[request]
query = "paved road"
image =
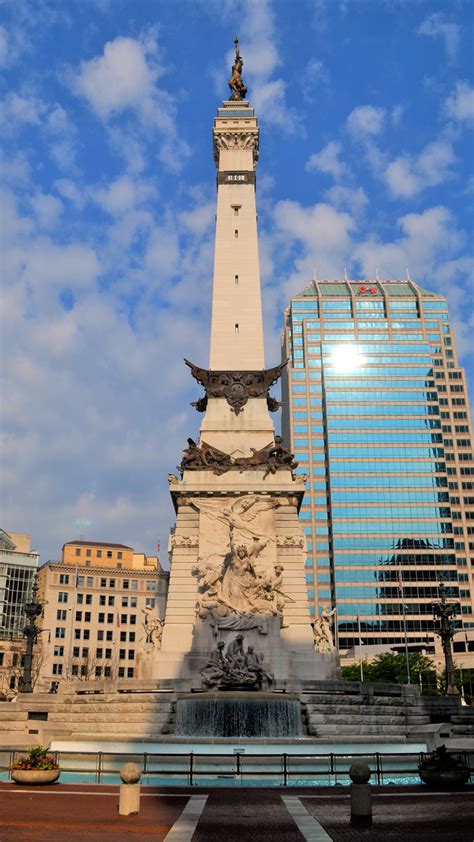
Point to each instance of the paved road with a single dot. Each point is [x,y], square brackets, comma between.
[80,813]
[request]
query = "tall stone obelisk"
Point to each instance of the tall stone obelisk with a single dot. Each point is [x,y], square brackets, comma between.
[238,550]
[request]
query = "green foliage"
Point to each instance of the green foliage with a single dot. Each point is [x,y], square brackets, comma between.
[391,667]
[37,758]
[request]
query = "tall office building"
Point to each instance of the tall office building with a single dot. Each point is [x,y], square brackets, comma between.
[376,412]
[18,566]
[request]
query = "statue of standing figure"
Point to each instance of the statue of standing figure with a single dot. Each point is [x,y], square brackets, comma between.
[235,82]
[323,639]
[153,628]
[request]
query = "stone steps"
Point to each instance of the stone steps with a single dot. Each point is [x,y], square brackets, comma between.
[334,719]
[351,730]
[371,710]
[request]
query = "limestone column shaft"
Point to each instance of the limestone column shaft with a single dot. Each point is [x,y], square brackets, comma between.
[237,327]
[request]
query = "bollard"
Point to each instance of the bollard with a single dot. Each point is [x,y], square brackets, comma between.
[129,800]
[361,795]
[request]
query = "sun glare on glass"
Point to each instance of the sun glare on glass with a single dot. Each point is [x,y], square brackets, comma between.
[347,358]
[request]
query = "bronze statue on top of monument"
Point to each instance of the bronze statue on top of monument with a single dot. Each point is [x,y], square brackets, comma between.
[239,91]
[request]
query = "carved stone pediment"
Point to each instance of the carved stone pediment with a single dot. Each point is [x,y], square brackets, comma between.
[236,386]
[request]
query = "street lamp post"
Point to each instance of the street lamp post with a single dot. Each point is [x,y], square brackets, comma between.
[33,609]
[443,618]
[407,655]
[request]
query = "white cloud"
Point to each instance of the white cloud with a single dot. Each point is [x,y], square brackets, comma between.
[460,104]
[426,238]
[123,194]
[17,109]
[124,79]
[328,161]
[47,209]
[365,121]
[436,26]
[347,198]
[315,77]
[407,176]
[120,78]
[3,46]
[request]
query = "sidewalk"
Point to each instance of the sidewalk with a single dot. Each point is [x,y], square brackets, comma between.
[83,813]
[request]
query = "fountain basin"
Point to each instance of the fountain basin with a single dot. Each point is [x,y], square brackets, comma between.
[252,714]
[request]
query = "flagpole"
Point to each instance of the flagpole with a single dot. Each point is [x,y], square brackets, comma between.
[407,658]
[360,649]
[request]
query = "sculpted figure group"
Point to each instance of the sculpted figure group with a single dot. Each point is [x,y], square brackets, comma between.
[235,667]
[205,457]
[236,584]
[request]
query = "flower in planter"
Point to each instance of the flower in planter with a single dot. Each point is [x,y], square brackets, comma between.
[36,759]
[441,760]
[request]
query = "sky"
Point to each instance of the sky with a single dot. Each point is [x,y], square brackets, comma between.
[366,112]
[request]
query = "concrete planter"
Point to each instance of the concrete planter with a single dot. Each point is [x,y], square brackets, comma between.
[448,778]
[35,777]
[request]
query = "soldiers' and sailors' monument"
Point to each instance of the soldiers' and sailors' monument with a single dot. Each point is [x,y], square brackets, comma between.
[237,611]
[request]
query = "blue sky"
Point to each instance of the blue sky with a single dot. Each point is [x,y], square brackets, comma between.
[366,111]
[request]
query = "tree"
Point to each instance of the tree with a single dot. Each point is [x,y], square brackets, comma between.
[392,668]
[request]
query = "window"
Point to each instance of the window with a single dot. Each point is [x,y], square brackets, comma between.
[75,669]
[111,583]
[80,598]
[134,584]
[236,234]
[125,602]
[124,618]
[100,634]
[78,551]
[109,553]
[122,654]
[75,651]
[236,279]
[133,619]
[90,581]
[131,637]
[64,579]
[101,599]
[107,672]
[150,602]
[121,672]
[61,614]
[62,596]
[126,584]
[131,654]
[99,553]
[60,632]
[236,328]
[80,581]
[108,654]
[111,600]
[110,618]
[236,209]
[58,651]
[129,672]
[151,585]
[119,555]
[98,672]
[109,635]
[85,651]
[87,616]
[77,634]
[88,599]
[133,602]
[57,669]
[86,633]
[101,617]
[88,553]
[123,637]
[78,616]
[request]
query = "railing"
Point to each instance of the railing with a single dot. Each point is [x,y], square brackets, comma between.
[236,769]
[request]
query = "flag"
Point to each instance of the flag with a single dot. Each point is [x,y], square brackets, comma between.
[158,546]
[400,583]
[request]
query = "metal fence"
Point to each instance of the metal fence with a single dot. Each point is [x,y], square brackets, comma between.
[238,768]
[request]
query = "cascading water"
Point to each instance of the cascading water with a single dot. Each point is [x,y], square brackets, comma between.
[238,714]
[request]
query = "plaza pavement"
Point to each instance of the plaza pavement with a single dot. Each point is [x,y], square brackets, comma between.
[84,813]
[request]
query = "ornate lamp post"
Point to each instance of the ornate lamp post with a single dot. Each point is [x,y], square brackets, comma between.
[444,626]
[33,609]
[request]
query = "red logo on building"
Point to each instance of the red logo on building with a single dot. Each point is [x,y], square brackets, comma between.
[365,290]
